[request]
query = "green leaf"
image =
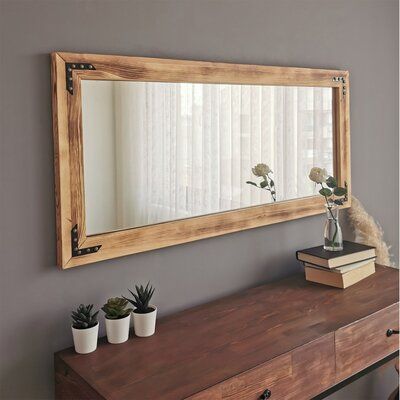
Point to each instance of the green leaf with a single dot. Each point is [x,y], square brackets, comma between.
[263,184]
[339,202]
[325,192]
[339,191]
[331,182]
[271,182]
[141,299]
[252,183]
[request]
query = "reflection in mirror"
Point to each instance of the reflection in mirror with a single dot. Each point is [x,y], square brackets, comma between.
[155,152]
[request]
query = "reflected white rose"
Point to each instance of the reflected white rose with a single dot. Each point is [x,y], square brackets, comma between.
[318,175]
[261,170]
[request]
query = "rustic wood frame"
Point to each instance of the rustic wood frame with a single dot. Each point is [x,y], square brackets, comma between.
[68,151]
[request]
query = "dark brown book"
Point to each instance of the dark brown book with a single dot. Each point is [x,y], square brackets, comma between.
[351,253]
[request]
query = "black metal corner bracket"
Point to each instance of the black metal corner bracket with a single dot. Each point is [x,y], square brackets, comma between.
[69,67]
[343,80]
[76,251]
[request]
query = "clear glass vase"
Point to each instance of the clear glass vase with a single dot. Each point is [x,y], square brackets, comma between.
[333,239]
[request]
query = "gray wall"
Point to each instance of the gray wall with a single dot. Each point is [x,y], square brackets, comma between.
[36,297]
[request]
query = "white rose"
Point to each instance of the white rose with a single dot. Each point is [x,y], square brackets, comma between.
[261,170]
[318,175]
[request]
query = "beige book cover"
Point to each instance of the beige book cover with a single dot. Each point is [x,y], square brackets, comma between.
[344,269]
[339,280]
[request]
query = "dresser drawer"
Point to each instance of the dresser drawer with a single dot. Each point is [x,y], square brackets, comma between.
[313,371]
[300,374]
[365,342]
[250,384]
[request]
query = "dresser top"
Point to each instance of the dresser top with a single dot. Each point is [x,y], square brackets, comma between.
[202,346]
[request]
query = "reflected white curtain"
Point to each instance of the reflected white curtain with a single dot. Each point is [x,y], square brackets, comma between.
[188,149]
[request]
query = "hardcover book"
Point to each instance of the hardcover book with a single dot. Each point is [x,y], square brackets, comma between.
[351,253]
[344,269]
[339,280]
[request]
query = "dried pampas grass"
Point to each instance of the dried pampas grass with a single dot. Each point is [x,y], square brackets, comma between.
[368,231]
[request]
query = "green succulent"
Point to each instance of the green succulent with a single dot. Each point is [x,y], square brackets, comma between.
[141,298]
[115,308]
[83,318]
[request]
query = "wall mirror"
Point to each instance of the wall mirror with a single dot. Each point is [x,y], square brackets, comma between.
[152,152]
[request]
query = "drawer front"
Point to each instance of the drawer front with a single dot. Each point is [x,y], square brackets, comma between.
[300,374]
[250,384]
[313,371]
[365,342]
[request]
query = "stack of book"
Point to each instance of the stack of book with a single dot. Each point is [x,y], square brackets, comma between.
[338,268]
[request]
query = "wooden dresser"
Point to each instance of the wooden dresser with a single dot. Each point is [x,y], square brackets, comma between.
[287,340]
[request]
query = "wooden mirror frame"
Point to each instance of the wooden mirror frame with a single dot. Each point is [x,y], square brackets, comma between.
[68,69]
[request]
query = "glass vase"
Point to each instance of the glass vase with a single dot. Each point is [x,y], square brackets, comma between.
[333,239]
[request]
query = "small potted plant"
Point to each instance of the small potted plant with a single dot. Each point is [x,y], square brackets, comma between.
[117,320]
[144,314]
[85,329]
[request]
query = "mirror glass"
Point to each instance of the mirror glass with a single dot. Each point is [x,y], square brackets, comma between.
[156,152]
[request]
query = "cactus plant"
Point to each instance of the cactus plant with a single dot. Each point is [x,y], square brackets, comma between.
[142,298]
[115,308]
[83,318]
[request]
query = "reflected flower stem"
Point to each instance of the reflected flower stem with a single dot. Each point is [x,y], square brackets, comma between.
[262,171]
[271,190]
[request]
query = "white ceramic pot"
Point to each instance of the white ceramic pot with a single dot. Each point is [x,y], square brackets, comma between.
[145,324]
[85,340]
[118,329]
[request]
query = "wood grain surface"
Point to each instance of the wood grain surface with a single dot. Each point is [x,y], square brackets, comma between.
[68,150]
[365,342]
[217,346]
